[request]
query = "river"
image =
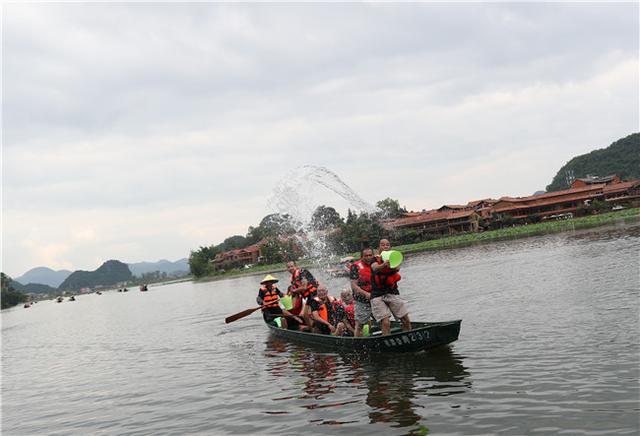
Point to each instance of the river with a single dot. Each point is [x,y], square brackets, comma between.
[549,344]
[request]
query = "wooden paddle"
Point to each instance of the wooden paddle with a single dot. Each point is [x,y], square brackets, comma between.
[242,314]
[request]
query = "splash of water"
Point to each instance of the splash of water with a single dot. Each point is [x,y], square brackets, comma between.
[297,195]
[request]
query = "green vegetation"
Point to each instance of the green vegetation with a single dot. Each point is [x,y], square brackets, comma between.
[110,273]
[621,158]
[520,231]
[10,297]
[341,235]
[467,239]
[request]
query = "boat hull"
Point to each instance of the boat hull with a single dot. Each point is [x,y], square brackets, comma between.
[423,336]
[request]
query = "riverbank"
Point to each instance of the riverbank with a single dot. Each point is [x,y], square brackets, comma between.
[521,231]
[465,239]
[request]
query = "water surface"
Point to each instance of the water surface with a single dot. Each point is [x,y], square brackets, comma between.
[549,345]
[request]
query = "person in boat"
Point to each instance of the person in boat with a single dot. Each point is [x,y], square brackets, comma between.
[323,312]
[361,287]
[303,288]
[385,297]
[268,297]
[345,314]
[347,264]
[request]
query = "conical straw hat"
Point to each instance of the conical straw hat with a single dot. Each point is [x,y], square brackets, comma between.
[268,278]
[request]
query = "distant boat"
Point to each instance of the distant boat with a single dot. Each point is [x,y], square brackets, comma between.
[72,298]
[98,292]
[27,305]
[125,290]
[59,300]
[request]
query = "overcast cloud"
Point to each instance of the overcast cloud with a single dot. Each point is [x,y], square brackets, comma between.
[142,131]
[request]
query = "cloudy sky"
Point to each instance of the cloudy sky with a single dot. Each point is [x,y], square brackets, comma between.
[141,131]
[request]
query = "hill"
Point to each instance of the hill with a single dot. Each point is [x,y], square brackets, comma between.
[172,268]
[621,158]
[45,276]
[34,288]
[110,273]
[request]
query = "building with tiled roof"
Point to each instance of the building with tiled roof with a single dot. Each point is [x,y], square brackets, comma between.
[452,219]
[238,257]
[565,201]
[445,222]
[593,180]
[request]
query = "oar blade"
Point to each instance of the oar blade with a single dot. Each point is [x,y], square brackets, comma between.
[239,315]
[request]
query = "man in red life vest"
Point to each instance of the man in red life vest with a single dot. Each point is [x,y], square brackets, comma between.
[322,312]
[268,297]
[385,299]
[361,275]
[303,288]
[344,309]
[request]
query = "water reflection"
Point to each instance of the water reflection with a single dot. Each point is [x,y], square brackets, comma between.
[391,389]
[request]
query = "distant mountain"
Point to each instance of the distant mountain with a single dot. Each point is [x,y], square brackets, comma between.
[44,275]
[110,273]
[621,158]
[177,267]
[34,288]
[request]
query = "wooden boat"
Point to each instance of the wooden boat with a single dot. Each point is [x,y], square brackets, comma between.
[423,336]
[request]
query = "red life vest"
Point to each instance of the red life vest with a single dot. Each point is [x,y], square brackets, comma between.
[385,278]
[297,305]
[349,309]
[270,297]
[364,275]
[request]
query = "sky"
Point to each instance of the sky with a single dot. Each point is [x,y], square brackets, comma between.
[141,131]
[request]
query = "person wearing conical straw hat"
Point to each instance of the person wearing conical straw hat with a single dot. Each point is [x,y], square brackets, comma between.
[268,297]
[385,297]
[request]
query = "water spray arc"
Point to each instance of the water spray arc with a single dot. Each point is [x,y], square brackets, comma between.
[296,196]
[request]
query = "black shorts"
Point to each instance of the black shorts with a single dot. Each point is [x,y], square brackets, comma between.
[292,324]
[271,313]
[322,328]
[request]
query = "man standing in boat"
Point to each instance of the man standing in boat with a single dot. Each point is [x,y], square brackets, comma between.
[361,287]
[303,288]
[385,297]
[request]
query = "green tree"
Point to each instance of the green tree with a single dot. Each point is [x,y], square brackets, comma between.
[199,260]
[390,208]
[10,297]
[272,226]
[325,218]
[359,231]
[277,251]
[233,242]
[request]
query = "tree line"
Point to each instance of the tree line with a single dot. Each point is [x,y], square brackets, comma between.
[10,296]
[621,158]
[342,235]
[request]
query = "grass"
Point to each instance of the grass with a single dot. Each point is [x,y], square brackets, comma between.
[464,239]
[519,231]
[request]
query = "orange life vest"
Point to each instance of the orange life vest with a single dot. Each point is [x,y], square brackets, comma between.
[324,310]
[270,297]
[296,282]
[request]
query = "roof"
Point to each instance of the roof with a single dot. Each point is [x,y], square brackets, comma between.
[621,187]
[431,217]
[547,195]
